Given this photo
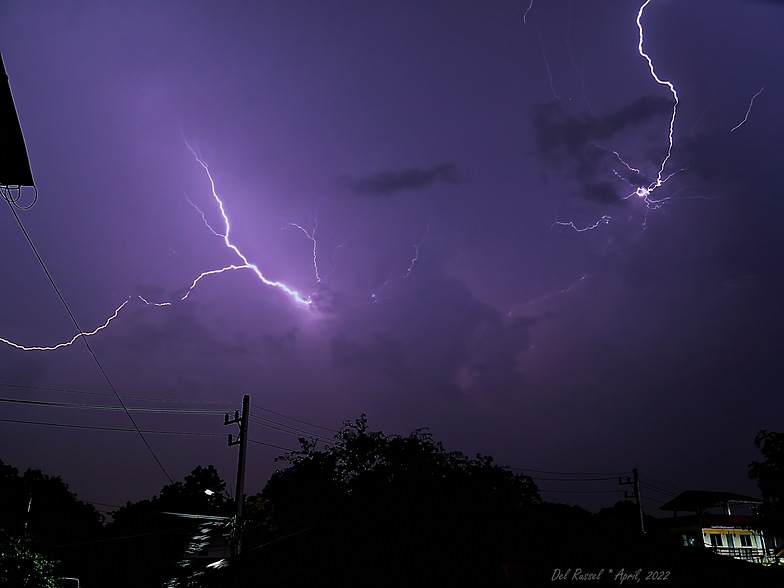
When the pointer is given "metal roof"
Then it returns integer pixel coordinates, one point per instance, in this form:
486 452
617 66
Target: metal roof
698 500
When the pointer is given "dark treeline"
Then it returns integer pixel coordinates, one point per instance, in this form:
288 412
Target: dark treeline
367 509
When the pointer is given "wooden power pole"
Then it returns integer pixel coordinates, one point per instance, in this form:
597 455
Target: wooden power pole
634 482
242 441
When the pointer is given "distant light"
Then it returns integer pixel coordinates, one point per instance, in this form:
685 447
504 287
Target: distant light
209 492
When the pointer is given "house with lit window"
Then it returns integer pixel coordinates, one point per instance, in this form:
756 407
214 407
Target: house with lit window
723 522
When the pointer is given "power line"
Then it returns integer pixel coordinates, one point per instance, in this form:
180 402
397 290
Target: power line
119 429
204 411
653 499
86 342
294 419
580 491
678 488
660 490
146 398
287 428
572 479
270 445
612 474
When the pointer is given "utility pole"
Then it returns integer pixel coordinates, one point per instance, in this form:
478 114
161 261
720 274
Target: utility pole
242 441
634 482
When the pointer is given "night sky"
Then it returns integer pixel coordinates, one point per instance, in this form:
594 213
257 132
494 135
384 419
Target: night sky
446 160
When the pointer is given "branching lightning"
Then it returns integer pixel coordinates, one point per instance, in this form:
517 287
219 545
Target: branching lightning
225 235
674 93
293 294
643 192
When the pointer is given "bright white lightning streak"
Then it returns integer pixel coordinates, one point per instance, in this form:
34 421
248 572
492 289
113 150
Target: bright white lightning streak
674 93
740 124
203 217
73 340
293 294
644 192
312 236
602 221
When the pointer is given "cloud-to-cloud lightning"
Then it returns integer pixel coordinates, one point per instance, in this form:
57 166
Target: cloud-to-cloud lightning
293 294
376 295
225 236
748 111
311 235
71 341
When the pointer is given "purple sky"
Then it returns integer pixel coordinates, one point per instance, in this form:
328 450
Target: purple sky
432 147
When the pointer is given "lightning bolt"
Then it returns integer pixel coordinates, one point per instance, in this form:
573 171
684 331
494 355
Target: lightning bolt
375 296
225 235
659 81
527 10
548 295
73 340
748 111
602 221
312 237
644 192
293 294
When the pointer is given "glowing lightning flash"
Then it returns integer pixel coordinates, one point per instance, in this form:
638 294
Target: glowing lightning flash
73 340
293 294
644 192
245 265
674 93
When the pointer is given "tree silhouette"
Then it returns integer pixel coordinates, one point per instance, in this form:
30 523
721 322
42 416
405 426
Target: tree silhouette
368 499
39 512
769 475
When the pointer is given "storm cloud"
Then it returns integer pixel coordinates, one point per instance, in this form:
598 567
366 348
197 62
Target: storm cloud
574 142
387 183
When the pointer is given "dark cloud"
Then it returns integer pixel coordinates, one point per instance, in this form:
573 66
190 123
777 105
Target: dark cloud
386 183
178 327
432 334
572 141
382 352
277 344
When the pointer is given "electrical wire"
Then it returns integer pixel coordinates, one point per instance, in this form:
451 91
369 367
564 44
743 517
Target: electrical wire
678 488
99 428
572 479
8 195
570 473
86 342
287 429
270 445
579 491
293 419
146 398
204 411
655 489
